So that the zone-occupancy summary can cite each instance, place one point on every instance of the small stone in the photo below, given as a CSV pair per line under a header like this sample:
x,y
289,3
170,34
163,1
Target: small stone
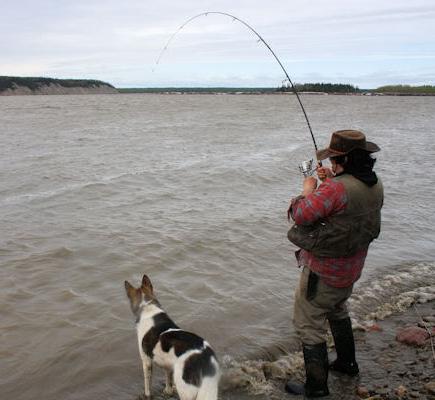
x,y
374,328
414,394
401,391
362,392
430,387
412,335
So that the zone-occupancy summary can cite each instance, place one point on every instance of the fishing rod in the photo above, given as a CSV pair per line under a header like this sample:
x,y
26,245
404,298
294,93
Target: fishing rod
x,y
306,166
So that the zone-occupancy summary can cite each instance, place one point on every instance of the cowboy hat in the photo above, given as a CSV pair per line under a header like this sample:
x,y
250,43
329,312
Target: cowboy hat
x,y
343,142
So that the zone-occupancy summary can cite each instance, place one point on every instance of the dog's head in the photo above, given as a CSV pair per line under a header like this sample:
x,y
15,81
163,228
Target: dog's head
x,y
140,296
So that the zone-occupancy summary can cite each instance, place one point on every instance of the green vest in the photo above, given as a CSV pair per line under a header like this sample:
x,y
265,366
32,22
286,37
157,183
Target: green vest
x,y
345,233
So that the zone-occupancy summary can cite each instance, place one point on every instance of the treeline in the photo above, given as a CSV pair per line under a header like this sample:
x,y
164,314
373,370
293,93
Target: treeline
x,y
322,87
406,89
306,87
9,82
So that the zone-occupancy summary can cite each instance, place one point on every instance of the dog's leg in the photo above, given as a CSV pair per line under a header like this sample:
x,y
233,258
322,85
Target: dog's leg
x,y
169,388
147,372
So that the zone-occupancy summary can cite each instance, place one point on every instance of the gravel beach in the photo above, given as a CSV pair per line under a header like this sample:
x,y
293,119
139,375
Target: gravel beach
x,y
389,369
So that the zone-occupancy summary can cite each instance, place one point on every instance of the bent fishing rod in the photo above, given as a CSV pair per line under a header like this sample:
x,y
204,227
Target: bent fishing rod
x,y
306,166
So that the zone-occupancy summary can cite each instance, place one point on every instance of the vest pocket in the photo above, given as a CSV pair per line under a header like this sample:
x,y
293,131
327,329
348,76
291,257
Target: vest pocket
x,y
306,236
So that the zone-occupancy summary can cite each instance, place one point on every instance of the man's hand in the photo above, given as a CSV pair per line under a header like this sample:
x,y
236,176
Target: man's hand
x,y
323,173
310,185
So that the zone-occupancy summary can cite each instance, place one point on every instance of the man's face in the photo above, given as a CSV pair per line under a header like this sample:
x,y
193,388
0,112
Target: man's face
x,y
336,168
333,165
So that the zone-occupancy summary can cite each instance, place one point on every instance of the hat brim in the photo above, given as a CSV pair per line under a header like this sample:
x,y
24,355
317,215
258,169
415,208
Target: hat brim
x,y
372,147
328,152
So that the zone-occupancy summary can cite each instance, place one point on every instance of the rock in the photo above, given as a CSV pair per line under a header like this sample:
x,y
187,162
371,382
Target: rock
x,y
430,387
414,394
423,357
430,319
374,328
412,335
362,392
401,391
427,327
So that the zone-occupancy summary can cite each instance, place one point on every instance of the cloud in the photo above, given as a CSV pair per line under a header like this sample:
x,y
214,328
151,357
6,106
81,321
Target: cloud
x,y
120,41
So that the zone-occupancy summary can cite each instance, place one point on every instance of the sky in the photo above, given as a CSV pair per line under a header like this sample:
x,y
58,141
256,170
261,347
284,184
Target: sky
x,y
366,43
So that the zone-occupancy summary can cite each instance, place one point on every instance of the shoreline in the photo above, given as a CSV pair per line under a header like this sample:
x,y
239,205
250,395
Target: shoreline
x,y
390,370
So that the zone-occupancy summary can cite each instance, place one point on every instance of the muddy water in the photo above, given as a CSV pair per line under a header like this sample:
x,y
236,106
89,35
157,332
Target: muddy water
x,y
193,191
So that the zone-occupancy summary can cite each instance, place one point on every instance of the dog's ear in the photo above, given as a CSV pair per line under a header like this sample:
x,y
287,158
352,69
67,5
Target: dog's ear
x,y
134,295
147,286
129,289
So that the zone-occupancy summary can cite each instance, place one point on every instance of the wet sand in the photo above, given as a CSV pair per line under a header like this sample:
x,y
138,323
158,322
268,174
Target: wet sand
x,y
389,369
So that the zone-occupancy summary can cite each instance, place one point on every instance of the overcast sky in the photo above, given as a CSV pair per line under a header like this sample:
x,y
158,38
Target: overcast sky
x,y
365,43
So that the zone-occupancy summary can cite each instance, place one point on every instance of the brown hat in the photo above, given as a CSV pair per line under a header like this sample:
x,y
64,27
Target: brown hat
x,y
343,142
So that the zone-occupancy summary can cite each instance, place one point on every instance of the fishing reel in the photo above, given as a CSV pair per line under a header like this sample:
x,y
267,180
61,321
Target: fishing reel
x,y
307,168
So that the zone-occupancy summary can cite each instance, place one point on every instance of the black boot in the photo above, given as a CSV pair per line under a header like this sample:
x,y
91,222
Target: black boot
x,y
345,346
316,367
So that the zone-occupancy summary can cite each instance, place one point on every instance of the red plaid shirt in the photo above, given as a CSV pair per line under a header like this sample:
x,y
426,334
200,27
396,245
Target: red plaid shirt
x,y
328,199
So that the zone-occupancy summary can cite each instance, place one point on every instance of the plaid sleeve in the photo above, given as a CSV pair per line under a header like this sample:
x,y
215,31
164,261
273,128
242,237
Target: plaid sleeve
x,y
328,199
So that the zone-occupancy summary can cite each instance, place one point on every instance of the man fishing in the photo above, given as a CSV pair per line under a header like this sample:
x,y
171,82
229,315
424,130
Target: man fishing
x,y
334,225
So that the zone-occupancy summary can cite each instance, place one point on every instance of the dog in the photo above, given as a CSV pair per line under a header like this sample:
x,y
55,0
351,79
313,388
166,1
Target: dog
x,y
189,361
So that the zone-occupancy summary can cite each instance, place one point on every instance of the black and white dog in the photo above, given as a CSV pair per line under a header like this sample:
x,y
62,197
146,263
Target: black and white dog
x,y
188,359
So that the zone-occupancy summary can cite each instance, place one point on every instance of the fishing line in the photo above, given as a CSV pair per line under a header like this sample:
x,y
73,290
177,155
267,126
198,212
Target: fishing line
x,y
260,40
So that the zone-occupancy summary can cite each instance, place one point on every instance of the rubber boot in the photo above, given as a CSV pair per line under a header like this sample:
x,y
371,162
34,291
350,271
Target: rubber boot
x,y
345,346
316,368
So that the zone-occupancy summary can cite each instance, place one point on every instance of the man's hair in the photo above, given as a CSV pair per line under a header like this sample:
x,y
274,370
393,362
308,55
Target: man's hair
x,y
357,161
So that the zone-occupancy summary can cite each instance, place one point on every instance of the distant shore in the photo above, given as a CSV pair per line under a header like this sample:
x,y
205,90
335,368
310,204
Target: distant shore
x,y
202,91
305,89
12,86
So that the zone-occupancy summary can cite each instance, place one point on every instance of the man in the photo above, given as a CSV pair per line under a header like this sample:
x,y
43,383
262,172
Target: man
x,y
334,225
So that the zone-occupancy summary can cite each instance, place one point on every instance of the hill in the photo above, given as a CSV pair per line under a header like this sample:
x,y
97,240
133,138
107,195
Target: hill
x,y
12,85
